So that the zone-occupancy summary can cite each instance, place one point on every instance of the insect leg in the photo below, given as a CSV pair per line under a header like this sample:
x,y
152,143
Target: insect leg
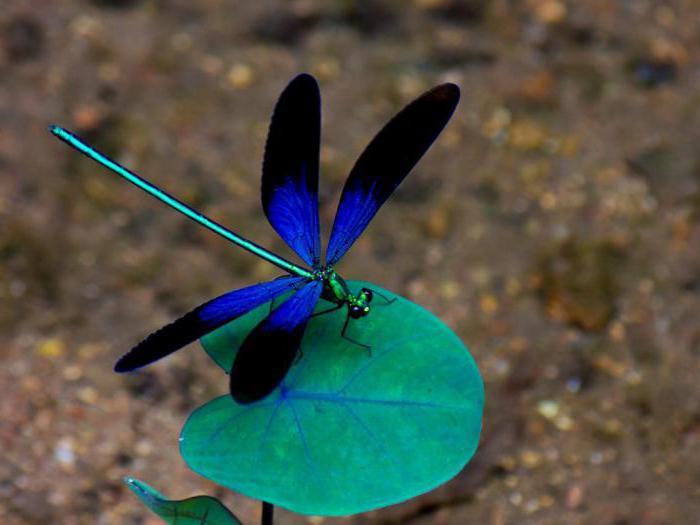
x,y
333,309
345,327
386,299
300,354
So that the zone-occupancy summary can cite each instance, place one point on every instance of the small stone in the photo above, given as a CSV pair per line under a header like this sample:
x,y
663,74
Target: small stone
x,y
86,117
437,225
612,427
211,65
88,395
240,76
507,463
548,409
548,201
327,69
72,373
573,384
488,304
51,348
550,11
31,384
574,497
532,506
495,128
513,287
611,366
596,458
86,26
144,447
518,344
526,135
617,331
530,459
450,289
480,276
564,423
63,452
516,498
546,501
539,87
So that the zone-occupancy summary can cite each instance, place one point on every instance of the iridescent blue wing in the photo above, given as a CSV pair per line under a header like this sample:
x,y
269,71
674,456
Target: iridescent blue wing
x,y
202,320
290,168
385,163
269,350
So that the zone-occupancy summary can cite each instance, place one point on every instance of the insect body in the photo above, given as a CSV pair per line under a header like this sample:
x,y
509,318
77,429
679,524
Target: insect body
x,y
336,290
290,201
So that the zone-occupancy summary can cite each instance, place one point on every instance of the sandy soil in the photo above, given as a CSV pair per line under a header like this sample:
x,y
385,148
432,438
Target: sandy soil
x,y
555,227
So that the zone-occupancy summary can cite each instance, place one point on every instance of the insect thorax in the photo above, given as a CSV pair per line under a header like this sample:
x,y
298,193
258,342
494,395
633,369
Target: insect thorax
x,y
336,290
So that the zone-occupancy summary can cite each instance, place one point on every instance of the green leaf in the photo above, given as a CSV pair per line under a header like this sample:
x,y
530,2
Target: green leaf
x,y
200,510
347,432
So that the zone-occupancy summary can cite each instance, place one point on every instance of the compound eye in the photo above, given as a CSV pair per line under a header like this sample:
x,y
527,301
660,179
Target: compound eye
x,y
368,294
355,311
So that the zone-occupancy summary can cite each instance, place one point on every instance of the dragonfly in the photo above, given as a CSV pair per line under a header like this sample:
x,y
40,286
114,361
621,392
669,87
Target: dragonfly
x,y
289,192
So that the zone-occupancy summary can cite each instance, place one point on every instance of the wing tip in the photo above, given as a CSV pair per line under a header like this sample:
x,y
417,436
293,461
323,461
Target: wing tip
x,y
304,77
131,361
447,93
122,365
303,83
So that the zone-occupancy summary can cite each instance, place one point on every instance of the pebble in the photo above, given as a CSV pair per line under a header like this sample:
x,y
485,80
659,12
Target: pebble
x,y
63,452
530,459
516,498
23,39
488,304
437,225
240,76
88,395
573,384
72,373
574,497
526,135
549,11
51,348
548,409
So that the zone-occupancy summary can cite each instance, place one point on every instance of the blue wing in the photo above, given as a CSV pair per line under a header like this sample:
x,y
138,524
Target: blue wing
x,y
290,168
385,163
269,350
202,320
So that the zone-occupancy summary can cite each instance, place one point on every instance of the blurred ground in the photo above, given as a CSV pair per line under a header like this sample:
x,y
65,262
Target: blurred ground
x,y
555,226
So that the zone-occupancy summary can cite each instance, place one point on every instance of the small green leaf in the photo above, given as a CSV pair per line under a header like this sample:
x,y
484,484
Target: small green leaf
x,y
346,432
200,510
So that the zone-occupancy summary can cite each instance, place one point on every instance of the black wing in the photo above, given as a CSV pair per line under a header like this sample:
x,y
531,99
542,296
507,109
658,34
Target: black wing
x,y
202,320
269,350
290,168
385,163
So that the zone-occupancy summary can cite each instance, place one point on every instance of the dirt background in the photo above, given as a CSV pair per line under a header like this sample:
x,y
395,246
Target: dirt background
x,y
554,226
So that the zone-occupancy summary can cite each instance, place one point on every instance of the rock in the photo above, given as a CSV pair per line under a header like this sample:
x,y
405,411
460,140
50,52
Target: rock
x,y
22,39
580,282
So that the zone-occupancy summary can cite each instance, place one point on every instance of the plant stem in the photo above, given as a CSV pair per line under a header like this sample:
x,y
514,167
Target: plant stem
x,y
267,511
